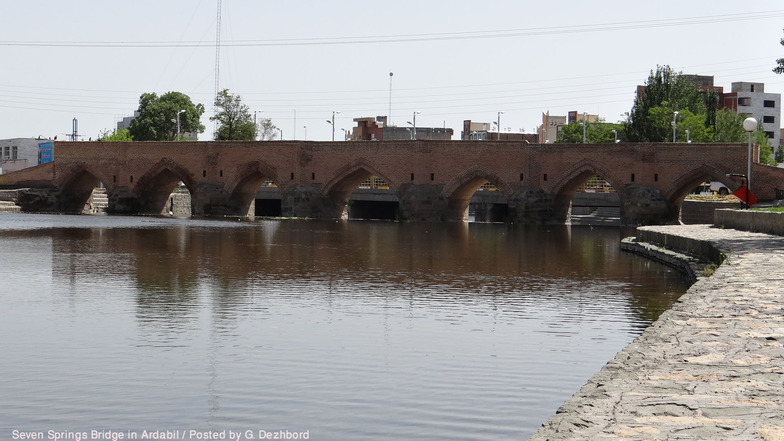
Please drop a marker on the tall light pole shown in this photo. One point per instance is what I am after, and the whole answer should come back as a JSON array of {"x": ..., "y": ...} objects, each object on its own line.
[
  {"x": 499, "y": 124},
  {"x": 178, "y": 123},
  {"x": 306, "y": 132},
  {"x": 334, "y": 112},
  {"x": 389, "y": 117},
  {"x": 414, "y": 134},
  {"x": 294, "y": 133},
  {"x": 750, "y": 125},
  {"x": 585, "y": 126},
  {"x": 674, "y": 124}
]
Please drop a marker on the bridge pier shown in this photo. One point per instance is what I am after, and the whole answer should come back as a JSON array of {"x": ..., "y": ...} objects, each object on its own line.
[
  {"x": 643, "y": 205},
  {"x": 530, "y": 205},
  {"x": 425, "y": 203}
]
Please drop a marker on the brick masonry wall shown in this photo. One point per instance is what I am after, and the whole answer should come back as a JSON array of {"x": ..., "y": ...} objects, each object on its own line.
[{"x": 216, "y": 171}]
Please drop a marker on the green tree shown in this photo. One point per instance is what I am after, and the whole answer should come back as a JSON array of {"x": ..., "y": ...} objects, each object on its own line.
[
  {"x": 234, "y": 119},
  {"x": 157, "y": 117},
  {"x": 667, "y": 90},
  {"x": 268, "y": 132},
  {"x": 116, "y": 135},
  {"x": 695, "y": 124},
  {"x": 729, "y": 127},
  {"x": 780, "y": 62},
  {"x": 766, "y": 151},
  {"x": 596, "y": 132}
]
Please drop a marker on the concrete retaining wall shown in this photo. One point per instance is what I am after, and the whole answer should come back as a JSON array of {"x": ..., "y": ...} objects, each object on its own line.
[
  {"x": 702, "y": 212},
  {"x": 751, "y": 220}
]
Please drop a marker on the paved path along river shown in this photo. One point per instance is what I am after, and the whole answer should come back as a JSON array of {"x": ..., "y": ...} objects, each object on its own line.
[{"x": 710, "y": 368}]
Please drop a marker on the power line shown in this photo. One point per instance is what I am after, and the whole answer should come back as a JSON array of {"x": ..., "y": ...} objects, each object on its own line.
[{"x": 402, "y": 38}]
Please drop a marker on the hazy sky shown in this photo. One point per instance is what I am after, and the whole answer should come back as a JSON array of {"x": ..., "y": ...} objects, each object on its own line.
[{"x": 298, "y": 61}]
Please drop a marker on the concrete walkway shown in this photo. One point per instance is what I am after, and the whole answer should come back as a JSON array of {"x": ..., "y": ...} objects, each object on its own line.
[{"x": 711, "y": 368}]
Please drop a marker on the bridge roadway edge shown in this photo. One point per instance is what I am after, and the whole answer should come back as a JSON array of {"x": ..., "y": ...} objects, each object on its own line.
[{"x": 711, "y": 367}]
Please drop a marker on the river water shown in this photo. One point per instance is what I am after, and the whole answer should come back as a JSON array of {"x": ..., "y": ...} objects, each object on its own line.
[{"x": 330, "y": 330}]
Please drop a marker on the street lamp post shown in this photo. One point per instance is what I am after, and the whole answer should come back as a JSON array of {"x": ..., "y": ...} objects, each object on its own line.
[
  {"x": 178, "y": 123},
  {"x": 334, "y": 112},
  {"x": 585, "y": 126},
  {"x": 499, "y": 124},
  {"x": 389, "y": 117},
  {"x": 750, "y": 125},
  {"x": 414, "y": 133},
  {"x": 306, "y": 132},
  {"x": 674, "y": 122}
]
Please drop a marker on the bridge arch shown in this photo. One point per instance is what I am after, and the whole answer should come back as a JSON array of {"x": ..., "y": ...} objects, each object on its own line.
[
  {"x": 154, "y": 187},
  {"x": 249, "y": 178},
  {"x": 347, "y": 179},
  {"x": 565, "y": 188},
  {"x": 77, "y": 187},
  {"x": 459, "y": 190},
  {"x": 677, "y": 191}
]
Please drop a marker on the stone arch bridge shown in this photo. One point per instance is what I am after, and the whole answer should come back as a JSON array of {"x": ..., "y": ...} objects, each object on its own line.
[{"x": 433, "y": 180}]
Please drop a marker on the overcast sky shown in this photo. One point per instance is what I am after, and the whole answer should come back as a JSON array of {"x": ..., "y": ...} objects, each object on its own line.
[{"x": 298, "y": 61}]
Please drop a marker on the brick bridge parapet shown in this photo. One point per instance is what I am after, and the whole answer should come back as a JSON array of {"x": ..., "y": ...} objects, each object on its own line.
[{"x": 433, "y": 180}]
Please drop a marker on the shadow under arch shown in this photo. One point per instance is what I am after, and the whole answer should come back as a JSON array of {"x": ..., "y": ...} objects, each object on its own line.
[
  {"x": 249, "y": 177},
  {"x": 459, "y": 190},
  {"x": 347, "y": 179},
  {"x": 565, "y": 188},
  {"x": 677, "y": 191},
  {"x": 77, "y": 188},
  {"x": 155, "y": 186}
]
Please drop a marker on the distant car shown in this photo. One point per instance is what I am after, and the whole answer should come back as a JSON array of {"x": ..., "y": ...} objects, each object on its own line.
[
  {"x": 719, "y": 188},
  {"x": 712, "y": 187}
]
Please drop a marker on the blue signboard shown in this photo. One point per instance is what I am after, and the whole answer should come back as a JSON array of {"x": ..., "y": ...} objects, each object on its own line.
[{"x": 45, "y": 152}]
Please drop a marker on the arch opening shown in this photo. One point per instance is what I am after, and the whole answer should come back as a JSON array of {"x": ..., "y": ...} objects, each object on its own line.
[
  {"x": 165, "y": 193},
  {"x": 588, "y": 199},
  {"x": 76, "y": 194},
  {"x": 363, "y": 194},
  {"x": 698, "y": 194},
  {"x": 478, "y": 199}
]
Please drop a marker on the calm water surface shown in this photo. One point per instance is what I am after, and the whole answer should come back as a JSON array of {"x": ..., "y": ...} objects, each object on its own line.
[{"x": 348, "y": 330}]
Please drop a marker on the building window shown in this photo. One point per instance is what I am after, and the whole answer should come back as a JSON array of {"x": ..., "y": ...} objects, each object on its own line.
[
  {"x": 745, "y": 101},
  {"x": 770, "y": 119},
  {"x": 14, "y": 152},
  {"x": 769, "y": 103},
  {"x": 770, "y": 135}
]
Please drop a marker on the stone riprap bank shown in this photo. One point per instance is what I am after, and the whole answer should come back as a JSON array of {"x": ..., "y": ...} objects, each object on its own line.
[{"x": 710, "y": 368}]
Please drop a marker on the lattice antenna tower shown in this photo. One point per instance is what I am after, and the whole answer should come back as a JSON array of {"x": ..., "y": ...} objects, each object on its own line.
[{"x": 217, "y": 58}]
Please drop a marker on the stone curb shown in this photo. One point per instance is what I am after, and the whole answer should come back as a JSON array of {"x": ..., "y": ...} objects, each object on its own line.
[{"x": 711, "y": 367}]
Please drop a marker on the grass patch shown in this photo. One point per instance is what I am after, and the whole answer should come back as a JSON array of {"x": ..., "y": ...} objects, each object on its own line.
[
  {"x": 770, "y": 209},
  {"x": 709, "y": 269}
]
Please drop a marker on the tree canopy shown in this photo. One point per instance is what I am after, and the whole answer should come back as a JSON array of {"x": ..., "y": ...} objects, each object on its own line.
[
  {"x": 115, "y": 135},
  {"x": 665, "y": 91},
  {"x": 597, "y": 132},
  {"x": 234, "y": 119},
  {"x": 157, "y": 117},
  {"x": 698, "y": 118}
]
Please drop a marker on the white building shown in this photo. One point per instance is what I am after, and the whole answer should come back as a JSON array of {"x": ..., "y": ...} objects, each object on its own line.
[
  {"x": 765, "y": 107},
  {"x": 19, "y": 153}
]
